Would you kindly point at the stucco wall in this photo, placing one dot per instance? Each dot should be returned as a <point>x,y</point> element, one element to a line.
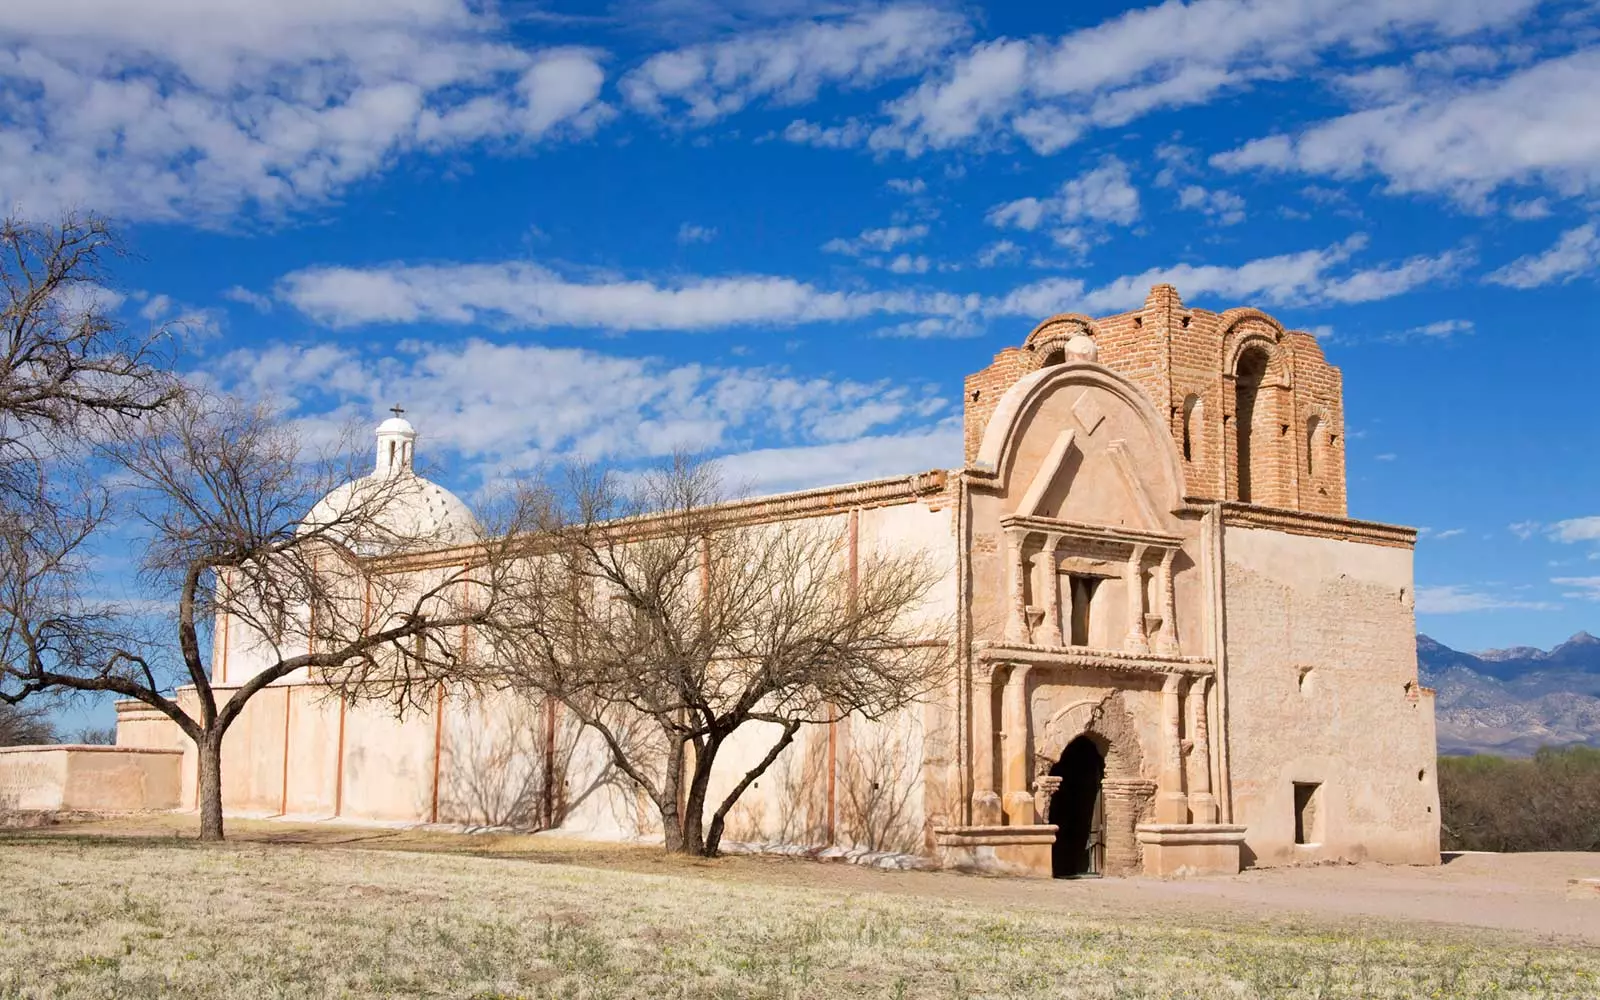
<point>88,778</point>
<point>1322,688</point>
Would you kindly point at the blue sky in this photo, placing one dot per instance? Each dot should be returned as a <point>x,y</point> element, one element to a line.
<point>783,232</point>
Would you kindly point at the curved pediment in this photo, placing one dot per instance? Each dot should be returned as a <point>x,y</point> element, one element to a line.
<point>1080,443</point>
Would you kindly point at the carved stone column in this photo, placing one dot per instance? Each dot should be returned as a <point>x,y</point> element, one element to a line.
<point>1045,787</point>
<point>1167,640</point>
<point>1202,804</point>
<point>985,803</point>
<point>1051,598</point>
<point>1133,582</point>
<point>1014,745</point>
<point>1016,570</point>
<point>1172,805</point>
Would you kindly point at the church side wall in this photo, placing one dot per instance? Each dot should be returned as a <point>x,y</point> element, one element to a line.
<point>1326,721</point>
<point>295,750</point>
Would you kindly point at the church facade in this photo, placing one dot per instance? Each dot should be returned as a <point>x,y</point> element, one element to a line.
<point>1175,650</point>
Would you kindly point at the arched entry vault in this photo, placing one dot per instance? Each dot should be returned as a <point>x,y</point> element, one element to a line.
<point>1125,795</point>
<point>1077,810</point>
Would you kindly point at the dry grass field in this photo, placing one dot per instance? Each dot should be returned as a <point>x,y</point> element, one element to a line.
<point>320,913</point>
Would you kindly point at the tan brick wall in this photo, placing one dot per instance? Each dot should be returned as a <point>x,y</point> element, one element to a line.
<point>1175,353</point>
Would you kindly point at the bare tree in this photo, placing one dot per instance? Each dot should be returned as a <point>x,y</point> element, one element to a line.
<point>67,366</point>
<point>21,725</point>
<point>217,495</point>
<point>655,604</point>
<point>65,360</point>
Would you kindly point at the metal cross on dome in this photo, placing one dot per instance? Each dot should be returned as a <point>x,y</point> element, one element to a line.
<point>396,410</point>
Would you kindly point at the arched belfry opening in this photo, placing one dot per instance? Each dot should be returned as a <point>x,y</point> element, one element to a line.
<point>1248,376</point>
<point>1077,810</point>
<point>1191,427</point>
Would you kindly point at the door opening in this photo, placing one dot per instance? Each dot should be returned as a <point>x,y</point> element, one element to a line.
<point>1078,812</point>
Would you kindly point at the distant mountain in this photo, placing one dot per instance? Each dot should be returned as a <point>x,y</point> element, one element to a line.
<point>1513,701</point>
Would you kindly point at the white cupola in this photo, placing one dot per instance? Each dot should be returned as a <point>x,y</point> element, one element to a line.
<point>396,441</point>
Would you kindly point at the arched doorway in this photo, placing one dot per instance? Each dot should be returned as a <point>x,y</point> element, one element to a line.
<point>1077,812</point>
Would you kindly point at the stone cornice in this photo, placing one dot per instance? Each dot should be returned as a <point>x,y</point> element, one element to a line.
<point>820,502</point>
<point>1112,660</point>
<point>1092,532</point>
<point>1244,515</point>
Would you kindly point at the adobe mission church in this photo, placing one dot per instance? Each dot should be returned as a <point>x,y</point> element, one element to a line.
<point>1176,652</point>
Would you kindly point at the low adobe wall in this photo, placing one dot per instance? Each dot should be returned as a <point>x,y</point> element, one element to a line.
<point>89,778</point>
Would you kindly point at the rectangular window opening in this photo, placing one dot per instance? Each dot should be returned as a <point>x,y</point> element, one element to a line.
<point>1081,590</point>
<point>1307,812</point>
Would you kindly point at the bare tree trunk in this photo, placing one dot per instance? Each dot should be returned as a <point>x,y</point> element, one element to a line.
<point>671,818</point>
<point>718,821</point>
<point>694,810</point>
<point>210,750</point>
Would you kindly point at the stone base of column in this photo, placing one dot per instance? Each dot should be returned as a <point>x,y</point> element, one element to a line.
<point>1020,809</point>
<point>1009,850</point>
<point>1203,807</point>
<point>1172,807</point>
<point>1191,848</point>
<point>986,809</point>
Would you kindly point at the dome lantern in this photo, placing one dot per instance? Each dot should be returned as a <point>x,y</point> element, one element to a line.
<point>397,441</point>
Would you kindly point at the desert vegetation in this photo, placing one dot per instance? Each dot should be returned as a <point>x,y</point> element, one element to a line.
<point>101,918</point>
<point>1549,802</point>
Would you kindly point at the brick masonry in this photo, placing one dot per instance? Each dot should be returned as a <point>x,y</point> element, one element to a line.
<point>1196,365</point>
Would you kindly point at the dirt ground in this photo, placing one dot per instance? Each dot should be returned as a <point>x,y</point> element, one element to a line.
<point>1517,896</point>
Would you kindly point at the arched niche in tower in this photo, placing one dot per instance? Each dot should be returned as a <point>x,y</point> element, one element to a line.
<point>1252,428</point>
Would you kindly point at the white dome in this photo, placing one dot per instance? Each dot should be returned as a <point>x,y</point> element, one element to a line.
<point>408,511</point>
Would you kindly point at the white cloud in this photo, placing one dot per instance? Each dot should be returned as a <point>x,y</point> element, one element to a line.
<point>844,136</point>
<point>1577,252</point>
<point>1225,207</point>
<point>876,240</point>
<point>1452,599</point>
<point>500,408</point>
<point>1104,194</point>
<point>1524,530</point>
<point>1576,529</point>
<point>789,65</point>
<point>1586,588</point>
<point>774,469</point>
<point>1165,56</point>
<point>902,185</point>
<point>689,233</point>
<point>998,252</point>
<point>255,300</point>
<point>908,264</point>
<point>1442,329</point>
<point>1449,533</point>
<point>176,109</point>
<point>1286,279</point>
<point>1539,125</point>
<point>530,296</point>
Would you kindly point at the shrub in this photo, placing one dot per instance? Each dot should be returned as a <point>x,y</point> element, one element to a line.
<point>1550,802</point>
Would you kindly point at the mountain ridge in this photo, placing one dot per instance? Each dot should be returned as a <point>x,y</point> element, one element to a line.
<point>1513,701</point>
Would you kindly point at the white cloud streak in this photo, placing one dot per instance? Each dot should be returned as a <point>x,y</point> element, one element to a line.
<point>178,109</point>
<point>1104,194</point>
<point>505,408</point>
<point>1451,599</point>
<point>1172,55</point>
<point>1576,253</point>
<point>529,296</point>
<point>1540,125</point>
<point>790,65</point>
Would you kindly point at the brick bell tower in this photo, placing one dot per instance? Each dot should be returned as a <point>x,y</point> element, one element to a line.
<point>1256,411</point>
